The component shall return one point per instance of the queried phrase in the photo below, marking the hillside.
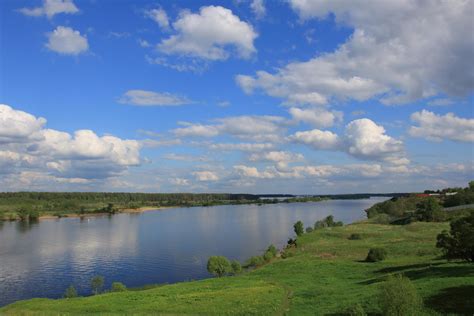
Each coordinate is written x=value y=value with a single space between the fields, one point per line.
x=326 y=274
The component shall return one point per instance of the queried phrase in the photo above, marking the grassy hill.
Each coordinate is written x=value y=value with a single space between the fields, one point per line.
x=326 y=274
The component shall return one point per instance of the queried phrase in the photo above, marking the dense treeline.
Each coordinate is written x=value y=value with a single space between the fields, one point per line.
x=425 y=206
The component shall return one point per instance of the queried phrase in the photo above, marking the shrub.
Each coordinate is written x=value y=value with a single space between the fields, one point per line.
x=327 y=222
x=355 y=236
x=376 y=254
x=381 y=219
x=291 y=242
x=273 y=250
x=254 y=261
x=299 y=228
x=97 y=283
x=398 y=297
x=118 y=287
x=309 y=229
x=70 y=292
x=429 y=210
x=356 y=310
x=459 y=242
x=218 y=266
x=236 y=267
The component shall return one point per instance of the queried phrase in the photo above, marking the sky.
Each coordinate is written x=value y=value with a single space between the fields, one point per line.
x=242 y=96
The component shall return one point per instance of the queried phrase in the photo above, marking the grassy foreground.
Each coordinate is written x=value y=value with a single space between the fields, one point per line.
x=325 y=275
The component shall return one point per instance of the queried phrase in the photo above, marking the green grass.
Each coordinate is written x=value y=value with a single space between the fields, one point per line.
x=325 y=275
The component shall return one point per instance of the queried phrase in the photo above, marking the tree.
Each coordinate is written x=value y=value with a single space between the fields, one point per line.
x=459 y=242
x=309 y=229
x=236 y=267
x=97 y=283
x=299 y=228
x=70 y=292
x=118 y=287
x=376 y=254
x=398 y=297
x=218 y=266
x=429 y=210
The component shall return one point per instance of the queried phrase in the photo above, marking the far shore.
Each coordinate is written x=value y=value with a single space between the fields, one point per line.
x=125 y=210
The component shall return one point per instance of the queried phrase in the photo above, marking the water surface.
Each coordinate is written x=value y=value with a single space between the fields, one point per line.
x=43 y=259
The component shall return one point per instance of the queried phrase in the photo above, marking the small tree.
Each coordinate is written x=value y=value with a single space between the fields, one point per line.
x=118 y=287
x=97 y=283
x=236 y=267
x=429 y=210
x=218 y=266
x=299 y=228
x=459 y=242
x=398 y=297
x=70 y=292
x=376 y=254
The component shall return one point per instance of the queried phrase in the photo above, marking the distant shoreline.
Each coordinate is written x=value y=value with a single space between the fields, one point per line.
x=120 y=211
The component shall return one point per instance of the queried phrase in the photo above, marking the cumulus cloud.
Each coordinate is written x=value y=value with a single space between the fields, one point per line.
x=160 y=17
x=438 y=127
x=400 y=51
x=317 y=139
x=51 y=8
x=318 y=117
x=66 y=41
x=151 y=98
x=257 y=128
x=258 y=8
x=206 y=175
x=208 y=34
x=25 y=143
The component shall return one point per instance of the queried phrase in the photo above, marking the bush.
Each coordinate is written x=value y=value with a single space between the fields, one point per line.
x=97 y=283
x=118 y=287
x=70 y=292
x=273 y=250
x=218 y=266
x=398 y=297
x=459 y=242
x=327 y=222
x=299 y=228
x=255 y=261
x=429 y=210
x=376 y=254
x=356 y=310
x=355 y=237
x=309 y=229
x=236 y=267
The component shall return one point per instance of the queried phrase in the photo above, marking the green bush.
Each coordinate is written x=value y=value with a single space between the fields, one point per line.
x=70 y=292
x=355 y=236
x=118 y=287
x=299 y=228
x=376 y=254
x=97 y=283
x=459 y=242
x=356 y=310
x=218 y=266
x=309 y=229
x=255 y=261
x=398 y=297
x=236 y=267
x=327 y=222
x=429 y=210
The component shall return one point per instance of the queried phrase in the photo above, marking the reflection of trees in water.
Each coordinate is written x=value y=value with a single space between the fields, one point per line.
x=25 y=226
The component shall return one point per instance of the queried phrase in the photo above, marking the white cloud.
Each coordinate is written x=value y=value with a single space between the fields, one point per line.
x=208 y=34
x=151 y=98
x=64 y=40
x=180 y=181
x=196 y=130
x=160 y=17
x=51 y=8
x=441 y=102
x=317 y=139
x=400 y=51
x=206 y=176
x=18 y=126
x=258 y=8
x=438 y=127
x=242 y=146
x=317 y=117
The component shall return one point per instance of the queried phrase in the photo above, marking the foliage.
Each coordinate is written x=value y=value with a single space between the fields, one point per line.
x=459 y=242
x=356 y=310
x=398 y=297
x=236 y=267
x=118 y=287
x=97 y=283
x=299 y=228
x=355 y=236
x=429 y=210
x=218 y=266
x=254 y=261
x=309 y=229
x=376 y=254
x=327 y=222
x=70 y=292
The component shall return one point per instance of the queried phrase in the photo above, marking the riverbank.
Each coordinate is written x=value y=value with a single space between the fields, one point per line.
x=119 y=211
x=325 y=274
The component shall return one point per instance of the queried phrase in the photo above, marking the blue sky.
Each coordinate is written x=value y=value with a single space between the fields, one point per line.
x=236 y=96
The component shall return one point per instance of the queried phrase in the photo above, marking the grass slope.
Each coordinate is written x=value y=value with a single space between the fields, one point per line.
x=325 y=275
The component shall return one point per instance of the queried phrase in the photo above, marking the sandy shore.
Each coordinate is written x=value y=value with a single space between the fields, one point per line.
x=125 y=210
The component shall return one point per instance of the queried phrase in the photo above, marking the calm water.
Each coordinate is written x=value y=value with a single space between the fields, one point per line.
x=43 y=259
